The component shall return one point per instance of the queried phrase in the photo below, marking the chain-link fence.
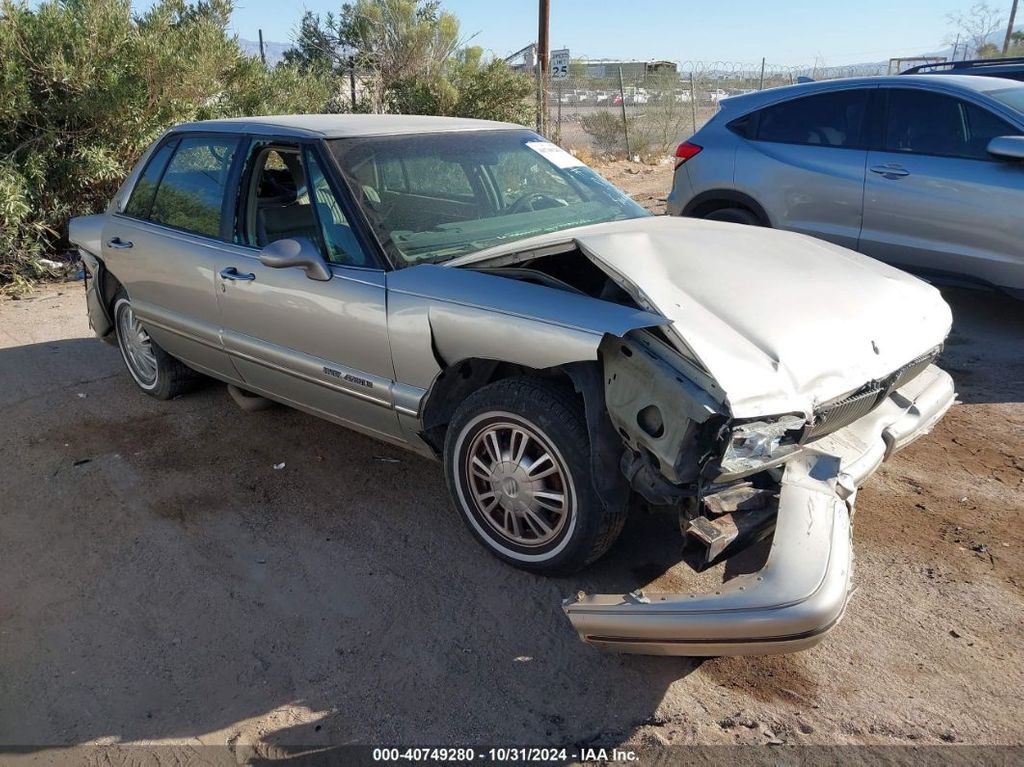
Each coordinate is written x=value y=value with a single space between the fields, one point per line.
x=645 y=108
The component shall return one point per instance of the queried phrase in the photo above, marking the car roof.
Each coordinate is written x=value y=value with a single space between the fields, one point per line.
x=975 y=83
x=343 y=125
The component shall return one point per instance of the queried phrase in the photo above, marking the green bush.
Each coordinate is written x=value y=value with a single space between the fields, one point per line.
x=608 y=131
x=85 y=87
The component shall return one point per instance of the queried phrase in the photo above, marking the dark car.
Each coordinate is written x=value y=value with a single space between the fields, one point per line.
x=1010 y=68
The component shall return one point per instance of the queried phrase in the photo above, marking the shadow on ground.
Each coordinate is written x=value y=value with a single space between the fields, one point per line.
x=983 y=353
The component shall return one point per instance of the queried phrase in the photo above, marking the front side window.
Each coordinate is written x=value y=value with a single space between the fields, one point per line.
x=339 y=241
x=289 y=197
x=434 y=197
x=827 y=119
x=934 y=124
x=191 y=192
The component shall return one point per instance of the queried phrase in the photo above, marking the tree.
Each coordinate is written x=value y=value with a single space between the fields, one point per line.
x=976 y=26
x=1016 y=44
x=407 y=58
x=316 y=44
x=389 y=41
x=466 y=86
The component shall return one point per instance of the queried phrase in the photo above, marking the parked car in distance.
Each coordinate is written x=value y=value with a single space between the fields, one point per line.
x=471 y=292
x=1011 y=68
x=926 y=173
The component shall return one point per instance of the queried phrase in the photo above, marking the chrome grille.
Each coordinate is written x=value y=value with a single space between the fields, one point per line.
x=912 y=370
x=843 y=412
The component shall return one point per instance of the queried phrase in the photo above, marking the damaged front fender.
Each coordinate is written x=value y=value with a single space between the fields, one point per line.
x=438 y=316
x=658 y=411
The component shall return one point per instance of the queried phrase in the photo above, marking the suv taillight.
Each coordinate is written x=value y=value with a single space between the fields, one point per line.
x=685 y=151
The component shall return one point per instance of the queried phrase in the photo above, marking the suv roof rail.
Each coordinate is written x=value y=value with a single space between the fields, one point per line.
x=952 y=66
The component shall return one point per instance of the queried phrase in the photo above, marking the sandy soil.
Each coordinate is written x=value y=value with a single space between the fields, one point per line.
x=162 y=582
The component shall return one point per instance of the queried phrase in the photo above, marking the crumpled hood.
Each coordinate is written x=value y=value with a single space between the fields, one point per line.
x=783 y=322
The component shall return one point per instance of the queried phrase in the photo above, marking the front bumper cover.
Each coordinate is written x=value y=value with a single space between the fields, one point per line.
x=802 y=590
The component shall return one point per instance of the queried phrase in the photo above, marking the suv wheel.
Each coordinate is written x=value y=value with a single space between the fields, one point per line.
x=517 y=463
x=155 y=371
x=734 y=216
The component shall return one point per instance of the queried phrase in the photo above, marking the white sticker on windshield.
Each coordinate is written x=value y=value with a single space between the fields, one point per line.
x=554 y=154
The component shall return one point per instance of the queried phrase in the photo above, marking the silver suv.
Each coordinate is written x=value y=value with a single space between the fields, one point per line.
x=923 y=172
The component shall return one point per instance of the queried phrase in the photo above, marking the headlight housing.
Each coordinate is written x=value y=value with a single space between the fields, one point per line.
x=758 y=445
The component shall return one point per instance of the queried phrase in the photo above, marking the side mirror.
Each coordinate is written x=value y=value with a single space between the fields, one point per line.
x=299 y=251
x=1007 y=147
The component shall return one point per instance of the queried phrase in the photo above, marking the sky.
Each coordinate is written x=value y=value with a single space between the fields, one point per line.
x=785 y=32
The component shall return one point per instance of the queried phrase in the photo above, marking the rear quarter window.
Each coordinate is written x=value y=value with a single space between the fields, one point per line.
x=141 y=199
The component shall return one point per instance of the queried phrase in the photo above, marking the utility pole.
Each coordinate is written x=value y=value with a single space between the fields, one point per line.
x=1009 y=28
x=543 y=20
x=352 y=79
x=263 y=53
x=625 y=122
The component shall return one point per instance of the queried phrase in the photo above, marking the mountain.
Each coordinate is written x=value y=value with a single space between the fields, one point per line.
x=274 y=51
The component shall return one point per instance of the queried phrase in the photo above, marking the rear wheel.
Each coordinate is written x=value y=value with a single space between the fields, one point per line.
x=517 y=462
x=734 y=216
x=154 y=371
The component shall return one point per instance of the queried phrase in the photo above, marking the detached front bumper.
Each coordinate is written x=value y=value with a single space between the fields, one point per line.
x=802 y=590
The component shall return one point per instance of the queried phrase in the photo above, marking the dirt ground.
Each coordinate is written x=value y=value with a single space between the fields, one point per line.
x=163 y=582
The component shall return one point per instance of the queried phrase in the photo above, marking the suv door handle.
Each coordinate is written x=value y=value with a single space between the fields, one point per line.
x=231 y=273
x=120 y=244
x=890 y=171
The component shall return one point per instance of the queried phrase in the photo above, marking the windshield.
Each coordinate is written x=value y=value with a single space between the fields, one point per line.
x=437 y=196
x=1011 y=97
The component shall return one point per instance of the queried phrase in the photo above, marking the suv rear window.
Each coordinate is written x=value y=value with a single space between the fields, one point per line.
x=826 y=119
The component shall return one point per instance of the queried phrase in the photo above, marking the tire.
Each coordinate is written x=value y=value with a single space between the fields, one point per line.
x=734 y=216
x=154 y=371
x=554 y=461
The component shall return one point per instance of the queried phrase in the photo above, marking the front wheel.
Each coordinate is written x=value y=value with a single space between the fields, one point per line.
x=517 y=463
x=155 y=371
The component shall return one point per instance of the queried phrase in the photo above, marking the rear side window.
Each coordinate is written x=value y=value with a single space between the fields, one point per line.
x=191 y=193
x=828 y=119
x=142 y=195
x=920 y=122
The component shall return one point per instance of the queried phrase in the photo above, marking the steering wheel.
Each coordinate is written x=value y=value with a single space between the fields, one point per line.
x=536 y=201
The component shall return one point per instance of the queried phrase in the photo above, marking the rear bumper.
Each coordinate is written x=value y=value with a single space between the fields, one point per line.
x=802 y=590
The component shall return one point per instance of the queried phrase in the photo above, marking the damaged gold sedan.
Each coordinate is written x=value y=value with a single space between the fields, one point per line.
x=471 y=292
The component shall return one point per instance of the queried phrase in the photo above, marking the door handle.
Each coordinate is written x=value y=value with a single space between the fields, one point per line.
x=890 y=171
x=231 y=273
x=119 y=244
